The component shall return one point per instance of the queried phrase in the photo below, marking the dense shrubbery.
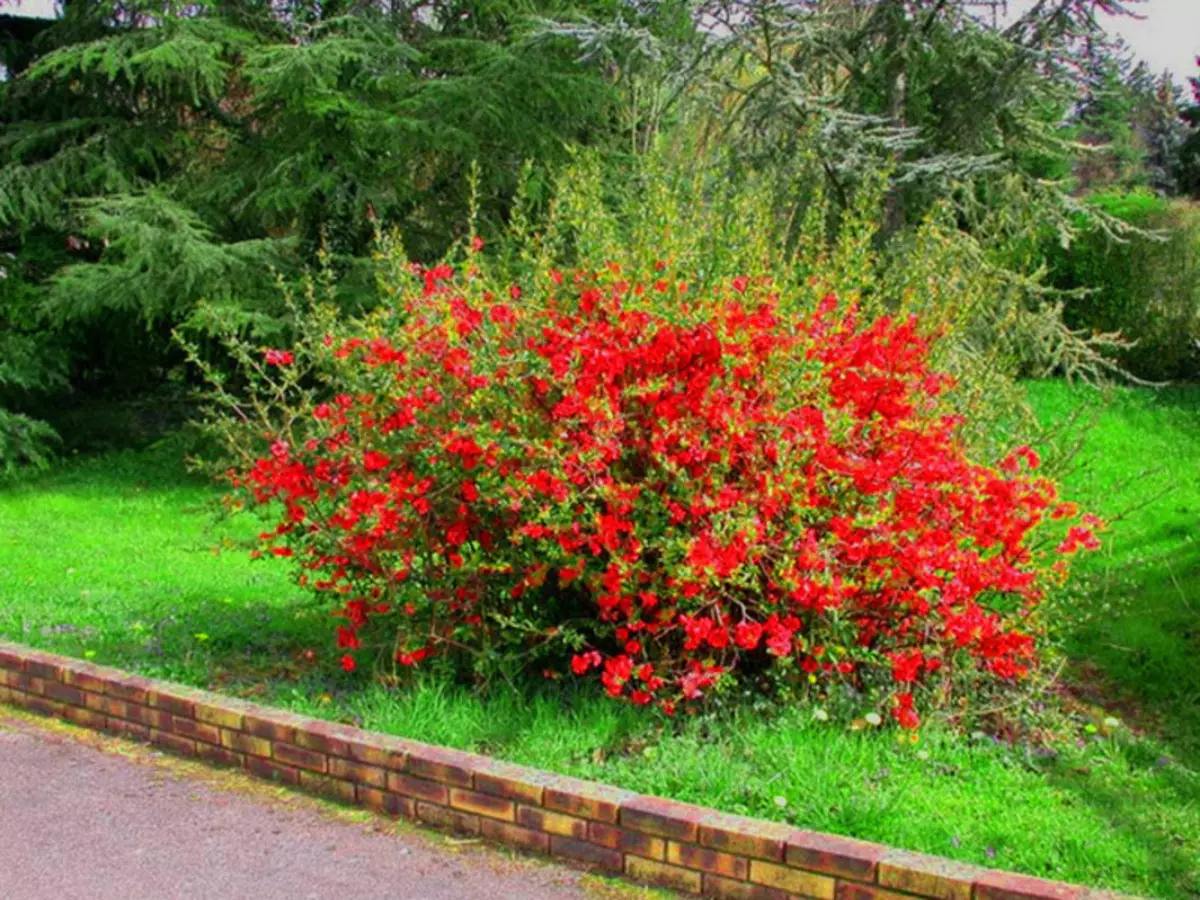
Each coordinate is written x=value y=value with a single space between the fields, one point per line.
x=1147 y=289
x=676 y=486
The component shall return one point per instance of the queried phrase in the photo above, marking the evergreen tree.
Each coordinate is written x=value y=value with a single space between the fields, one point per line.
x=171 y=152
x=1163 y=133
x=1188 y=167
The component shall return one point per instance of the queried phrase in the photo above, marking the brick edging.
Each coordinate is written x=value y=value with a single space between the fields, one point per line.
x=677 y=845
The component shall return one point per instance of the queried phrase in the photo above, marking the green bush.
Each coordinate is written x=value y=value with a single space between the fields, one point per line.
x=1146 y=288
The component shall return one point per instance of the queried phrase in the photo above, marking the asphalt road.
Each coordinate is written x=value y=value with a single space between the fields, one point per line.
x=80 y=820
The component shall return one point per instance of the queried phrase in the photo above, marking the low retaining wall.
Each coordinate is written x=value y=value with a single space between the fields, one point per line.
x=676 y=845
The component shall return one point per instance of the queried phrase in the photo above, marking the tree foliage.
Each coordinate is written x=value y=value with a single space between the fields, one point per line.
x=181 y=152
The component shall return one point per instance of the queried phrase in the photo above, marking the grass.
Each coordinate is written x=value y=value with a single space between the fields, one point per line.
x=1141 y=468
x=116 y=558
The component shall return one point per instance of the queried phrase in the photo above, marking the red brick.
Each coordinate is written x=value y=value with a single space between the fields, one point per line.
x=300 y=758
x=95 y=701
x=326 y=737
x=106 y=705
x=483 y=804
x=11 y=658
x=173 y=742
x=834 y=855
x=327 y=787
x=378 y=750
x=30 y=684
x=1008 y=886
x=153 y=718
x=514 y=835
x=729 y=889
x=628 y=841
x=133 y=688
x=42 y=705
x=662 y=874
x=267 y=724
x=584 y=852
x=464 y=823
x=386 y=802
x=128 y=729
x=928 y=876
x=220 y=755
x=849 y=890
x=585 y=799
x=273 y=771
x=88 y=718
x=360 y=773
x=172 y=703
x=707 y=860
x=121 y=709
x=511 y=781
x=552 y=822
x=85 y=677
x=200 y=731
x=744 y=836
x=440 y=764
x=41 y=666
x=419 y=788
x=667 y=818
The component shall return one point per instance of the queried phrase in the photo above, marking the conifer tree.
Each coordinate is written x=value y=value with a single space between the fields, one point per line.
x=169 y=152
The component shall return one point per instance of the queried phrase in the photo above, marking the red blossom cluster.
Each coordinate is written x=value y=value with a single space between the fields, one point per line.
x=669 y=500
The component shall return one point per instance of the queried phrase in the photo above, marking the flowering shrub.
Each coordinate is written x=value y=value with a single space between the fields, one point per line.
x=667 y=501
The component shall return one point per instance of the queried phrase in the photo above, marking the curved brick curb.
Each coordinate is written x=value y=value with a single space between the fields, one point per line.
x=677 y=845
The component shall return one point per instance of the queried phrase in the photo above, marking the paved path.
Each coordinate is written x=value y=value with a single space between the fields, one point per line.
x=82 y=821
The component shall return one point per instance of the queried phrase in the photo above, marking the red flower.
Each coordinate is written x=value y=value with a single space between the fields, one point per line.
x=348 y=663
x=719 y=490
x=747 y=634
x=582 y=662
x=907 y=666
x=903 y=712
x=373 y=461
x=278 y=357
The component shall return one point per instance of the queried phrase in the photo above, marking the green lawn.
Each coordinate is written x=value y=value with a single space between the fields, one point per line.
x=115 y=558
x=1143 y=463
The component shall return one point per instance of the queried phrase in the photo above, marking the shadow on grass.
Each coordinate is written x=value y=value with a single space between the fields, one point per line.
x=1148 y=647
x=206 y=642
x=158 y=467
x=1143 y=814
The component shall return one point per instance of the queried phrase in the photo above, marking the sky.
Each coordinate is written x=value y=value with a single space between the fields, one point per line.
x=1167 y=38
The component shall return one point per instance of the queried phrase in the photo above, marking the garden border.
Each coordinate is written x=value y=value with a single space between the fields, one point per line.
x=649 y=839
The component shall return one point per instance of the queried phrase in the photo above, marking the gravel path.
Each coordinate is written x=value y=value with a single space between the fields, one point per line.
x=95 y=818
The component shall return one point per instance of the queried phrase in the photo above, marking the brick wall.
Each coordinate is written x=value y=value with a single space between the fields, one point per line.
x=677 y=845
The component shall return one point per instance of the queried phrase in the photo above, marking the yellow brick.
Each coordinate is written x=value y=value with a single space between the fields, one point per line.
x=660 y=873
x=929 y=876
x=245 y=743
x=219 y=715
x=794 y=881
